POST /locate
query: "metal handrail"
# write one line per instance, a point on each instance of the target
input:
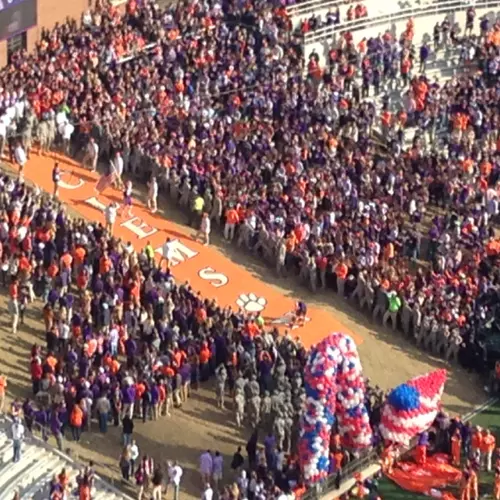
(312, 6)
(388, 19)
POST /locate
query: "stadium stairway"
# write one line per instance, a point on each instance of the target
(39, 463)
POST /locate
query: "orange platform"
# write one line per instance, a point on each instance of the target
(207, 270)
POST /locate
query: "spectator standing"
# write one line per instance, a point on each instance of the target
(393, 309)
(103, 408)
(125, 463)
(174, 477)
(134, 455)
(17, 438)
(14, 304)
(157, 482)
(56, 178)
(3, 386)
(20, 157)
(204, 230)
(76, 422)
(208, 493)
(217, 469)
(488, 445)
(238, 461)
(153, 195)
(110, 214)
(206, 467)
(127, 429)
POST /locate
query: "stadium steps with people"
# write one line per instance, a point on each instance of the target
(39, 463)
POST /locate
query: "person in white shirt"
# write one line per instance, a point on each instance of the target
(64, 334)
(167, 252)
(208, 493)
(91, 155)
(20, 157)
(174, 477)
(153, 195)
(117, 169)
(110, 215)
(134, 456)
(17, 438)
(67, 132)
(204, 231)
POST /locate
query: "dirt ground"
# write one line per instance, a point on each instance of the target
(387, 360)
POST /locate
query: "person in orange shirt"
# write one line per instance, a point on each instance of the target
(204, 358)
(232, 219)
(456, 446)
(488, 444)
(105, 264)
(76, 422)
(341, 271)
(3, 386)
(14, 304)
(476, 440)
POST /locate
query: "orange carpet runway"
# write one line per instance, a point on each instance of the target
(207, 270)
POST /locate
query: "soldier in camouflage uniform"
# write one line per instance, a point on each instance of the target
(359, 291)
(254, 400)
(239, 407)
(244, 235)
(220, 384)
(185, 192)
(443, 338)
(454, 346)
(173, 186)
(424, 329)
(368, 297)
(216, 212)
(406, 315)
(266, 410)
(431, 338)
(279, 430)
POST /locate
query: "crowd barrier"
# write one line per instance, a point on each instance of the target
(384, 22)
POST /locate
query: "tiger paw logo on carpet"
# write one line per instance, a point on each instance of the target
(251, 303)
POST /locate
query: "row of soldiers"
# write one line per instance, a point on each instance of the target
(274, 407)
(25, 128)
(419, 321)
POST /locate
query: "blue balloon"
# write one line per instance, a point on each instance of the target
(323, 463)
(404, 398)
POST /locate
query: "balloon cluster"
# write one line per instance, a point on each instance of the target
(412, 407)
(335, 389)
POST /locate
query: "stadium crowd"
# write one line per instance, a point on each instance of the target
(215, 97)
(125, 342)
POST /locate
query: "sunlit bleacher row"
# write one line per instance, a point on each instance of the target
(31, 476)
